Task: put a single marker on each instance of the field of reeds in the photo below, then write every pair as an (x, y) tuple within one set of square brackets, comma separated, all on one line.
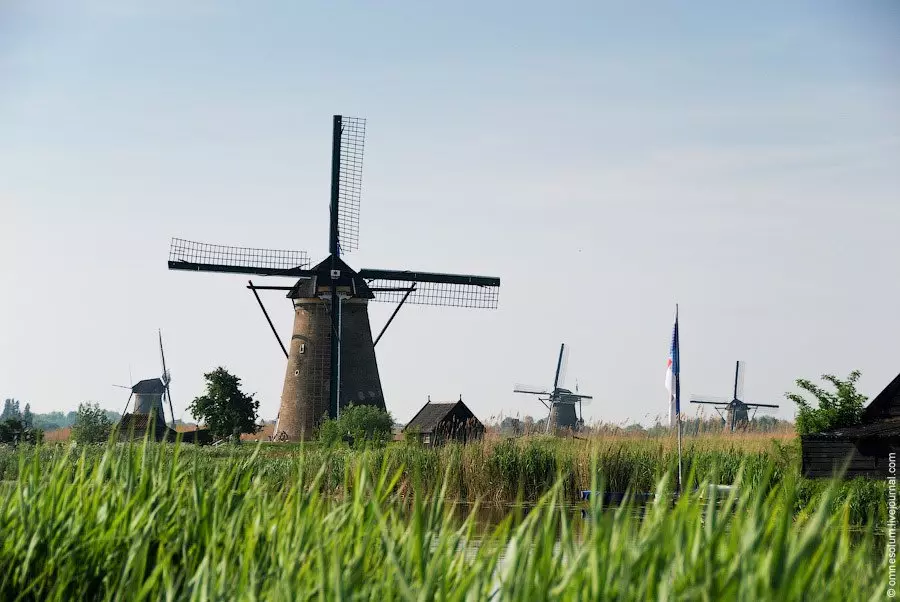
[(505, 471), (155, 522)]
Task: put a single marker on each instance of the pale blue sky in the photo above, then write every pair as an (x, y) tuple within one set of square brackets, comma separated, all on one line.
[(604, 160)]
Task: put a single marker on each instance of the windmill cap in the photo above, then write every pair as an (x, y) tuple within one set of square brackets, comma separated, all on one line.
[(149, 386), (321, 278)]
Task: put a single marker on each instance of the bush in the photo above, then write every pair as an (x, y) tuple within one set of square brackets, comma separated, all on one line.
[(92, 425), (16, 430), (362, 425), (840, 409)]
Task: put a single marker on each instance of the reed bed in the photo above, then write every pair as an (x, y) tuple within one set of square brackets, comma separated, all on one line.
[(149, 522), (511, 470)]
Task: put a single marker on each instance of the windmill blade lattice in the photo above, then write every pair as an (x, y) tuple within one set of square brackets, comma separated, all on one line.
[(454, 290), (563, 366), (353, 140), (739, 370), (531, 390), (199, 256)]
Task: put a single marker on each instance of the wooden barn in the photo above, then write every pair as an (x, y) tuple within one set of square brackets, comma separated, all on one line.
[(437, 422), (866, 446)]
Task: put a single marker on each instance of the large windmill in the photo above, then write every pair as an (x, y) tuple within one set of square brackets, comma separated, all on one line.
[(331, 357), (736, 412), (560, 402)]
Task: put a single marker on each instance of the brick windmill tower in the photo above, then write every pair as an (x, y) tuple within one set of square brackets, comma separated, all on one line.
[(331, 357)]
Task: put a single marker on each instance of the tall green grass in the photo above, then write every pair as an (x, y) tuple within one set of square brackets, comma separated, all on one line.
[(149, 522), (503, 472)]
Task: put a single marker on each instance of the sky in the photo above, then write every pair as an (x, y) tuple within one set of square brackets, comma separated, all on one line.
[(605, 160)]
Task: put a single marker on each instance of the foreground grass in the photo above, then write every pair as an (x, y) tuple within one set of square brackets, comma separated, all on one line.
[(503, 472), (149, 522)]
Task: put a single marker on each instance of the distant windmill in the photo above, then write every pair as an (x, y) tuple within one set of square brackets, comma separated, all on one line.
[(331, 356), (148, 397), (559, 402), (734, 413)]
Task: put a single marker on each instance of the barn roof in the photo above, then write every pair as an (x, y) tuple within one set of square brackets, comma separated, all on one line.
[(886, 403), (432, 413), (889, 427), (149, 386)]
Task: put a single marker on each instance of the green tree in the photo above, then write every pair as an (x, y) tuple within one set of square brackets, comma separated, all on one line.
[(838, 409), (10, 410), (92, 425), (225, 409), (27, 416), (363, 425), (14, 430)]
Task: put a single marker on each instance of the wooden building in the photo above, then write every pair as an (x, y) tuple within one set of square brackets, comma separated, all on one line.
[(436, 423), (863, 449)]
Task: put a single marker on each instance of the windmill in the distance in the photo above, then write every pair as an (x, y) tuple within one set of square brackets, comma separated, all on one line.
[(560, 402), (148, 410), (331, 357), (734, 413)]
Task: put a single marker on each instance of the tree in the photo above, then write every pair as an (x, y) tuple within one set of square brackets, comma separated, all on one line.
[(839, 409), (14, 430), (10, 410), (226, 410), (27, 416), (363, 425), (92, 425), (511, 426)]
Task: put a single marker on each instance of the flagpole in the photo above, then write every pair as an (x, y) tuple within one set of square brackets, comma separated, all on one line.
[(677, 383)]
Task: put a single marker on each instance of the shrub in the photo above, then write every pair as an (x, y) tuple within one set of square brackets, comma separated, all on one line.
[(16, 430), (362, 425), (92, 425), (840, 409)]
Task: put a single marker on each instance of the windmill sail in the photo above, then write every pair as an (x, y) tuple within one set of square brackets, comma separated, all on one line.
[(352, 145), (205, 257), (739, 369), (166, 380), (457, 290)]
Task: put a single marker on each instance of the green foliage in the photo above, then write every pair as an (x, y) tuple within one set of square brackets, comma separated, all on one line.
[(113, 526), (92, 425), (27, 416), (838, 409), (16, 430), (226, 410), (10, 410), (363, 425)]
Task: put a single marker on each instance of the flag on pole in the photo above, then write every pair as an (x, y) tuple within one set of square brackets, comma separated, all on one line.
[(672, 370)]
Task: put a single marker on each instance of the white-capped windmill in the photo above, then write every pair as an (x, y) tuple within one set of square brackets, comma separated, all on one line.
[(736, 412), (148, 395), (560, 402)]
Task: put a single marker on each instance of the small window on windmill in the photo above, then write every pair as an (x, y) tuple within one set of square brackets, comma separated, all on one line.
[(302, 347), (426, 438)]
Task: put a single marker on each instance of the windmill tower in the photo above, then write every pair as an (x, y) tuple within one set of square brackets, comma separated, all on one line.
[(735, 413), (331, 356), (147, 411), (559, 402)]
